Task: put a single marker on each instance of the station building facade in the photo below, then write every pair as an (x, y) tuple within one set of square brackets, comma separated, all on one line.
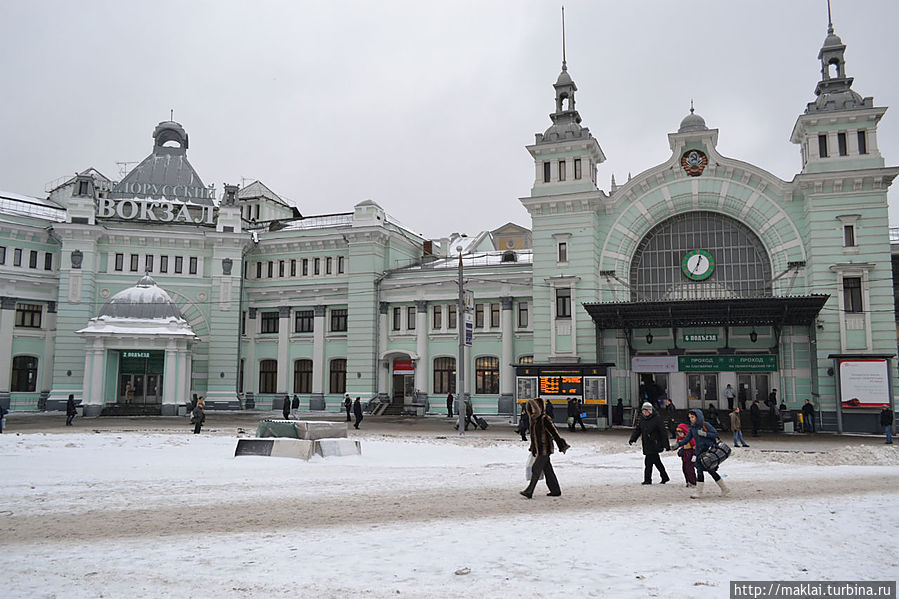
[(697, 274)]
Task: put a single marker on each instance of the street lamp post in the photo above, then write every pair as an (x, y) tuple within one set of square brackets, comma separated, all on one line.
[(460, 365)]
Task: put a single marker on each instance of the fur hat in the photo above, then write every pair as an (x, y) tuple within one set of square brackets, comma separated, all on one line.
[(647, 406)]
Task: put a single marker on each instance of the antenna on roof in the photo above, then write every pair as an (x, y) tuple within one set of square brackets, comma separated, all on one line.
[(829, 19), (564, 65), (123, 166)]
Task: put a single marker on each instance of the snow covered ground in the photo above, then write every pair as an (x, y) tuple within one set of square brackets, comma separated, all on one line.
[(160, 514)]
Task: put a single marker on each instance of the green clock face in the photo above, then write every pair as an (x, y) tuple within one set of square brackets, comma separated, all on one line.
[(697, 265)]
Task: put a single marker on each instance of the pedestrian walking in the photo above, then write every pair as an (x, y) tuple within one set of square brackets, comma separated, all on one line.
[(523, 423), (772, 410), (655, 441), (198, 415), (618, 412), (808, 417), (729, 395), (705, 437), (670, 416), (295, 407), (449, 405), (3, 413), (572, 410), (469, 412), (71, 411), (347, 405), (285, 408), (543, 435), (357, 412), (886, 421), (550, 410), (755, 416), (687, 455), (736, 424)]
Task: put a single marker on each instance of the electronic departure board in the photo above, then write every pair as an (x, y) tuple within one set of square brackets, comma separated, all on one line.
[(561, 385)]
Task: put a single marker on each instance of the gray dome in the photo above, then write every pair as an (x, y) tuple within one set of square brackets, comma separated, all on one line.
[(831, 40), (564, 78), (144, 301), (563, 130), (692, 122)]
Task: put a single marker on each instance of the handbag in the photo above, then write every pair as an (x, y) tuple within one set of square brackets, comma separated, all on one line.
[(529, 466), (583, 414), (712, 457)]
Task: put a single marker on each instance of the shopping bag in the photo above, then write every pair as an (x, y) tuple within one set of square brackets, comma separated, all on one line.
[(529, 467), (583, 414), (712, 457), (570, 420)]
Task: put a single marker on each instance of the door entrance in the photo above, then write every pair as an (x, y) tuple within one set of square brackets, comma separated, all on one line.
[(702, 390), (653, 387), (752, 387), (403, 388), (140, 377)]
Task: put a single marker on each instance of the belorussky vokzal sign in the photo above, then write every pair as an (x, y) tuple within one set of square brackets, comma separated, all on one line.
[(154, 210), (154, 190)]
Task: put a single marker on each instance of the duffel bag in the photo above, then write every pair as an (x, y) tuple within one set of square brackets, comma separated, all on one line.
[(712, 457)]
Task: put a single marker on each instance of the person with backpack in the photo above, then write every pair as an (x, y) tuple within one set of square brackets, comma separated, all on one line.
[(706, 437), (655, 441)]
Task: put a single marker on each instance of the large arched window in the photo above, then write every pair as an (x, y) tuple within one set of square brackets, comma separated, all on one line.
[(444, 375), (486, 375), (302, 376), (741, 266), (268, 376), (338, 376), (24, 374)]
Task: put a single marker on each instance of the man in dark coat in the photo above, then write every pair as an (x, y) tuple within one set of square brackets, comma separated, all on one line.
[(618, 413), (70, 410), (449, 405), (295, 406), (772, 409), (523, 423), (550, 410), (755, 416), (543, 434), (655, 441), (357, 412), (285, 408), (808, 417), (348, 405), (671, 417), (886, 421), (572, 410)]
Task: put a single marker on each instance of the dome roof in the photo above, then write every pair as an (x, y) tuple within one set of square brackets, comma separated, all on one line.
[(692, 122), (144, 301), (564, 78), (832, 39)]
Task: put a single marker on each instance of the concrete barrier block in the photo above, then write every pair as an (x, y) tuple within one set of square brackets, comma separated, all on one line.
[(277, 447), (312, 430), (337, 447)]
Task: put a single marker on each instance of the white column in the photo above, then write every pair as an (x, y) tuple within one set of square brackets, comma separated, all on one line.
[(46, 369), (182, 395), (7, 323), (506, 371), (170, 384), (383, 373), (574, 316), (283, 347), (95, 401), (317, 400), (250, 375), (421, 346), (552, 319)]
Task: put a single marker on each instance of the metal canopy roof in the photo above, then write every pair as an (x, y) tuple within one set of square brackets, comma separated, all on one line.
[(761, 311)]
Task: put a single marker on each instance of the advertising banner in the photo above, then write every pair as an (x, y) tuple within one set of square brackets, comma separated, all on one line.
[(403, 367), (864, 383)]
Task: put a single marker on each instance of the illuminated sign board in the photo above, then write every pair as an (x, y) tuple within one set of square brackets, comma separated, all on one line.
[(561, 385)]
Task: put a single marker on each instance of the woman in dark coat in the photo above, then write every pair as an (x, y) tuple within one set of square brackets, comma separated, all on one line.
[(523, 423), (198, 415), (70, 410), (543, 434), (357, 412), (655, 440), (285, 407)]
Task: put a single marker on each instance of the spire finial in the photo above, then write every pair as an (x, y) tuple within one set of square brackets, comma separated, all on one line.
[(564, 62), (171, 114), (691, 105), (829, 20)]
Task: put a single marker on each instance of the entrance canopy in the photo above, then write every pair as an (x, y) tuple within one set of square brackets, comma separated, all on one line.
[(761, 311)]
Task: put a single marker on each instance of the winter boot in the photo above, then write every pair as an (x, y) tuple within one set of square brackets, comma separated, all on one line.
[(723, 487), (697, 492)]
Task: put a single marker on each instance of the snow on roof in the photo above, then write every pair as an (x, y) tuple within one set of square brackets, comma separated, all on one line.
[(495, 258), (15, 203)]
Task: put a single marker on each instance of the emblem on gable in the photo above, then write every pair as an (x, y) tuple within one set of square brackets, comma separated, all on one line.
[(694, 162)]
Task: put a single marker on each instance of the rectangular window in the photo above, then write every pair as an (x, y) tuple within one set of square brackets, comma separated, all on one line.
[(316, 267), (2, 255), (479, 316), (328, 265), (32, 259), (240, 376), (82, 188), (48, 261), (522, 315), (119, 261), (338, 320), (302, 376), (437, 318), (17, 257), (340, 265), (822, 146), (561, 170), (193, 265), (270, 269), (135, 259), (268, 322), (444, 375), (338, 376), (304, 321), (849, 236), (547, 172), (397, 318), (494, 316), (179, 265), (148, 263), (841, 143), (577, 168), (410, 318), (293, 268), (256, 210), (862, 142), (563, 303), (281, 268), (258, 269), (305, 267), (164, 264), (563, 251), (452, 311), (852, 294), (24, 374), (243, 322), (268, 376), (28, 316), (486, 376)]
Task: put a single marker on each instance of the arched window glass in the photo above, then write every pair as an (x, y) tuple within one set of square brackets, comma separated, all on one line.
[(24, 374), (338, 376), (487, 375), (741, 268), (302, 376)]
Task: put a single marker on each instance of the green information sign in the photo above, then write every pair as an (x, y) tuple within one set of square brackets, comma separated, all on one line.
[(688, 337), (142, 362), (732, 363), (136, 354)]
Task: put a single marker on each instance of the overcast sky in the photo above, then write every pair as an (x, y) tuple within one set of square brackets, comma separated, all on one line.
[(423, 107)]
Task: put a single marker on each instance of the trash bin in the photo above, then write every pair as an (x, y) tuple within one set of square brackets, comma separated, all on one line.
[(788, 426)]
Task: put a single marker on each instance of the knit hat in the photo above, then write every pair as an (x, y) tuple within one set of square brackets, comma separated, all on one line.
[(683, 428), (646, 406)]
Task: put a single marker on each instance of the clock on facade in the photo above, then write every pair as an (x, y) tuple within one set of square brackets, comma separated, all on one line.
[(698, 265)]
